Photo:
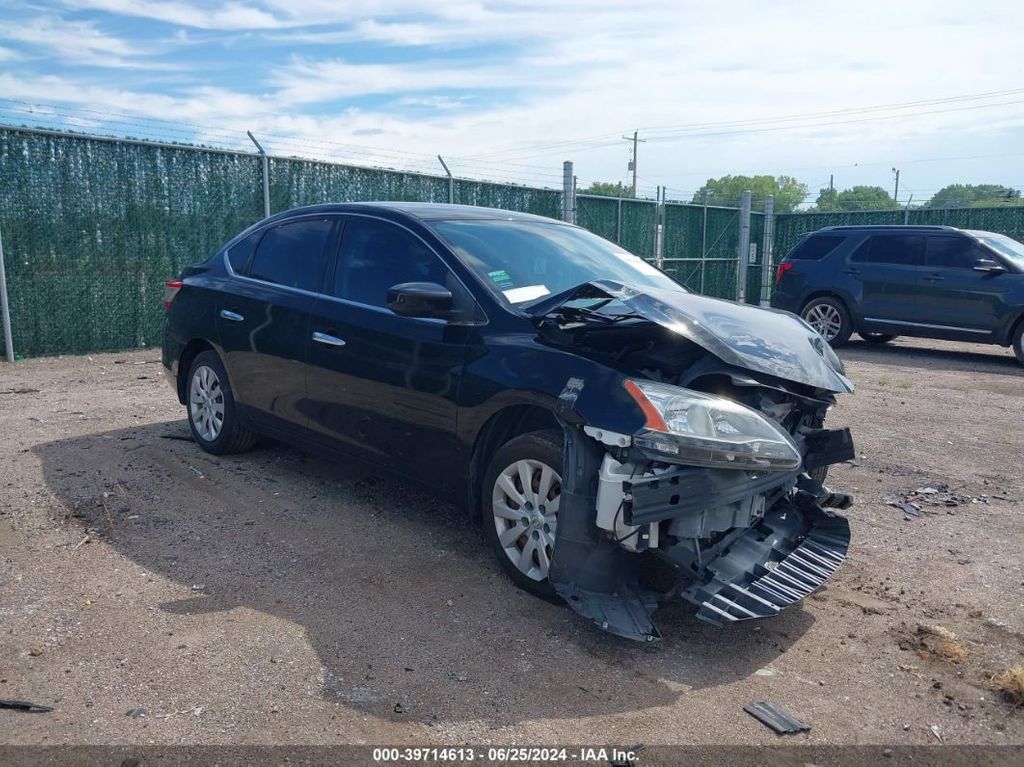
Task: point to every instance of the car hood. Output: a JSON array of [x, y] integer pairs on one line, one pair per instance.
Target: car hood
[[763, 340]]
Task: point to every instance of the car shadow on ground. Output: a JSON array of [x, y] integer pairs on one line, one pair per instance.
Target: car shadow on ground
[[398, 597], [923, 355]]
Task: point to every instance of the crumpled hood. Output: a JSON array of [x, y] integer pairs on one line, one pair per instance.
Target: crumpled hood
[[763, 340]]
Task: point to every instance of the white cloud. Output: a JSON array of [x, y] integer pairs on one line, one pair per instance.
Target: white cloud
[[78, 42], [543, 73]]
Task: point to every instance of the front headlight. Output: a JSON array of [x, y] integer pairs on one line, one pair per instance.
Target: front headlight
[[689, 427]]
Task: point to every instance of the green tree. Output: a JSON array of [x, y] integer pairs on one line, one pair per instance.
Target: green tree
[[609, 189], [865, 198], [826, 200], [974, 196], [787, 191]]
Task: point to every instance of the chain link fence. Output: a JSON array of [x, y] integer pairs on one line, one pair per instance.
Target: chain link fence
[[92, 227]]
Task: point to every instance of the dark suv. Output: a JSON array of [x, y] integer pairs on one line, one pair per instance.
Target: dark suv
[[927, 281], [622, 440]]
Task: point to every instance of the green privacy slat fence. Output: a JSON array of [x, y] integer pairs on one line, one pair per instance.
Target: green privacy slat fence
[[631, 223], [1008, 221], [93, 227], [701, 249]]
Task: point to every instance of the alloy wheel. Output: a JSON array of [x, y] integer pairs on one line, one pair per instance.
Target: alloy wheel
[[825, 319], [524, 502], [206, 403]]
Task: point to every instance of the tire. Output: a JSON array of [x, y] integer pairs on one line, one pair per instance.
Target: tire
[[534, 454], [210, 408], [1018, 342], [829, 317], [876, 338]]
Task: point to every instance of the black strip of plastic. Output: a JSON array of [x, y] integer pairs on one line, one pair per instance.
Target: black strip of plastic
[[828, 446]]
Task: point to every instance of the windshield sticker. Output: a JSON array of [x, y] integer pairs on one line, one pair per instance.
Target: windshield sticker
[[638, 263], [501, 279], [525, 293]]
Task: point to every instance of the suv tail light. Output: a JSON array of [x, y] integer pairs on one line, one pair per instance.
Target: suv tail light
[[171, 288], [781, 269]]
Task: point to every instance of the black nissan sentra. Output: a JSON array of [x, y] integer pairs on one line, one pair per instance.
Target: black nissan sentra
[[621, 440]]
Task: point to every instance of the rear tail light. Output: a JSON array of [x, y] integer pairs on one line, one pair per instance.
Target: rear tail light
[[171, 288], [782, 268]]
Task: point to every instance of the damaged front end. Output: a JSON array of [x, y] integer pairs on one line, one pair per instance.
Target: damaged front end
[[702, 478]]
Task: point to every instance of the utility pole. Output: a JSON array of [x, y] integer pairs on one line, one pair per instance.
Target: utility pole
[[632, 163], [896, 191]]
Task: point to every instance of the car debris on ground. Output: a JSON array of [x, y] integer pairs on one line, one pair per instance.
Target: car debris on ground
[[774, 717]]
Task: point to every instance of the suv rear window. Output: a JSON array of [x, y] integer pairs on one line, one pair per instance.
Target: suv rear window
[[902, 249], [815, 247]]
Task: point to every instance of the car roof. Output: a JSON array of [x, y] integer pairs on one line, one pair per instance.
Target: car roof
[[423, 211], [890, 227]]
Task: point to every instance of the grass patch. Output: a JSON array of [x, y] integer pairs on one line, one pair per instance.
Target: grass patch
[[903, 384], [1011, 684], [885, 380], [939, 643]]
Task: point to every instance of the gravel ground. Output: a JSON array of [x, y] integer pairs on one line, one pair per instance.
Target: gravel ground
[[154, 594]]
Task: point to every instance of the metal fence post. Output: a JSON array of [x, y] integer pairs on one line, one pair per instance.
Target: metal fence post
[[659, 230], [704, 243], [568, 192], [766, 249], [266, 175], [451, 180], [5, 306], [744, 254], [618, 223]]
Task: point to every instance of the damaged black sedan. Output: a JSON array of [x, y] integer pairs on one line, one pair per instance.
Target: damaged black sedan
[[622, 440]]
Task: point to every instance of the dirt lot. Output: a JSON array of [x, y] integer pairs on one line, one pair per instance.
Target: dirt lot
[[276, 597]]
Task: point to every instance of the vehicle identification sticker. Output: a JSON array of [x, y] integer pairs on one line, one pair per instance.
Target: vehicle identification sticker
[[501, 279], [525, 293], [635, 261]]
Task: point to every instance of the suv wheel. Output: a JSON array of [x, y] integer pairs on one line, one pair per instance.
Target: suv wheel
[[876, 338], [210, 405], [1018, 342], [519, 505], [829, 317]]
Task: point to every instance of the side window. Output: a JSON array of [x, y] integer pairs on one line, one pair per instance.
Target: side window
[[815, 247], [902, 249], [239, 253], [376, 255], [293, 254], [957, 252]]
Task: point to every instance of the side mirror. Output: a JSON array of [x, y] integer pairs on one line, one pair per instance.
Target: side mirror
[[420, 299], [988, 265]]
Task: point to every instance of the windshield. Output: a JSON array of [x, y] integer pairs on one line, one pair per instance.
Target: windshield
[[524, 261], [1004, 246]]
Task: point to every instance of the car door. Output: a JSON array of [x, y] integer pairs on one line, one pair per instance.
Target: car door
[[958, 297], [381, 384], [890, 269], [263, 319]]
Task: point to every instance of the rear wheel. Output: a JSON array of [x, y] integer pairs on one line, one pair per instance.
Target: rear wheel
[[1018, 342], [519, 503], [829, 317], [210, 405], [876, 338]]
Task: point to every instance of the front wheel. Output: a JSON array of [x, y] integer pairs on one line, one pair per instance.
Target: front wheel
[[519, 503], [212, 415], [829, 317]]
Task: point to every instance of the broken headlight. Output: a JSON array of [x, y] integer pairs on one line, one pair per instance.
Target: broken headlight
[[689, 427]]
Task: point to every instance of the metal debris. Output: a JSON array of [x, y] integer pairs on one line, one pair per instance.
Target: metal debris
[[771, 715], [24, 705], [914, 502]]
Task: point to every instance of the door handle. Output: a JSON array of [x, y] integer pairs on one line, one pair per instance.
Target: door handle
[[934, 278], [852, 271], [328, 340], [233, 316]]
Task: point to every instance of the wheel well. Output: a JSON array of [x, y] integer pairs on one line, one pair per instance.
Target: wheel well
[[192, 349], [825, 294], [503, 426], [1017, 323]]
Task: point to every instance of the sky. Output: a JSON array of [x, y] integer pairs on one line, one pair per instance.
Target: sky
[[509, 90]]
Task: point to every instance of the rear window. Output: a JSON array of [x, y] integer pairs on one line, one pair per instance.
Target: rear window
[[815, 247], [902, 249], [239, 253], [293, 254]]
